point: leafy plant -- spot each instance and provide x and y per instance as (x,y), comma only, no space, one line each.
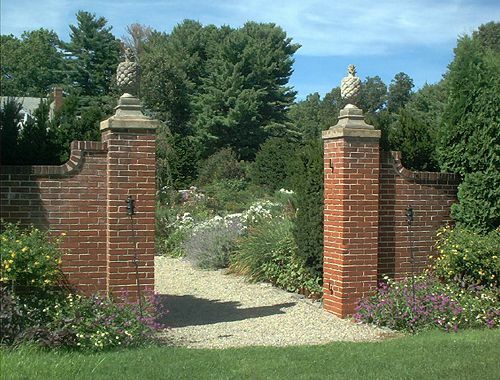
(424,302)
(267,252)
(60,319)
(29,257)
(467,258)
(222,165)
(211,243)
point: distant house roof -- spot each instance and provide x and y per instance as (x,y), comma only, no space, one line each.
(29,104)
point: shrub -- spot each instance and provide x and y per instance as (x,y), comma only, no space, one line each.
(434,304)
(479,201)
(11,316)
(94,323)
(222,165)
(230,195)
(467,258)
(211,243)
(271,166)
(268,253)
(308,184)
(59,319)
(48,314)
(29,257)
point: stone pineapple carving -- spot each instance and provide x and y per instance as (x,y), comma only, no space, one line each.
(127,74)
(350,86)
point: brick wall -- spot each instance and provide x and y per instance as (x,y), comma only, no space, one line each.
(366,196)
(86,199)
(430,195)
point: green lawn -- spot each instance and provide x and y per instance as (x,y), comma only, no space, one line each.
(432,355)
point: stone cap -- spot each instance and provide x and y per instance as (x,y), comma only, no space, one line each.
(351,123)
(128,115)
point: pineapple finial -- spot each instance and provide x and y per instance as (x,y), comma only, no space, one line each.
(127,74)
(350,86)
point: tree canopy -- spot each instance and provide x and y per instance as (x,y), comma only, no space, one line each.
(31,65)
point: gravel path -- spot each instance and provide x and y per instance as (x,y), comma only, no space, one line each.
(212,309)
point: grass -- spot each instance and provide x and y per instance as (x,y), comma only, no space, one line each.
(431,355)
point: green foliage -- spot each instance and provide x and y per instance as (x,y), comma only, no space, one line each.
(32,65)
(413,139)
(268,252)
(231,195)
(29,257)
(479,196)
(373,95)
(415,130)
(177,160)
(94,54)
(468,258)
(79,120)
(41,132)
(173,226)
(9,131)
(308,184)
(222,165)
(400,91)
(225,87)
(470,139)
(244,95)
(271,168)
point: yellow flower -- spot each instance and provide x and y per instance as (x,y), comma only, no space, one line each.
(24,249)
(47,257)
(59,261)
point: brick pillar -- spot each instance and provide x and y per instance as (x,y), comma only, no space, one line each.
(351,164)
(130,138)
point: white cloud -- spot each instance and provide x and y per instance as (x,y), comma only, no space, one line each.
(322,27)
(352,27)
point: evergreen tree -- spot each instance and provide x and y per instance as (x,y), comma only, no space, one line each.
(245,97)
(470,137)
(93,55)
(37,138)
(308,184)
(9,131)
(400,91)
(373,95)
(415,131)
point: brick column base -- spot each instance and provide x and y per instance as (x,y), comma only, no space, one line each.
(351,167)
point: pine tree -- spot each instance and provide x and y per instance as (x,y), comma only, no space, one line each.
(93,55)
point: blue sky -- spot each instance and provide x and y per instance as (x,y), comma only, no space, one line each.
(380,37)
